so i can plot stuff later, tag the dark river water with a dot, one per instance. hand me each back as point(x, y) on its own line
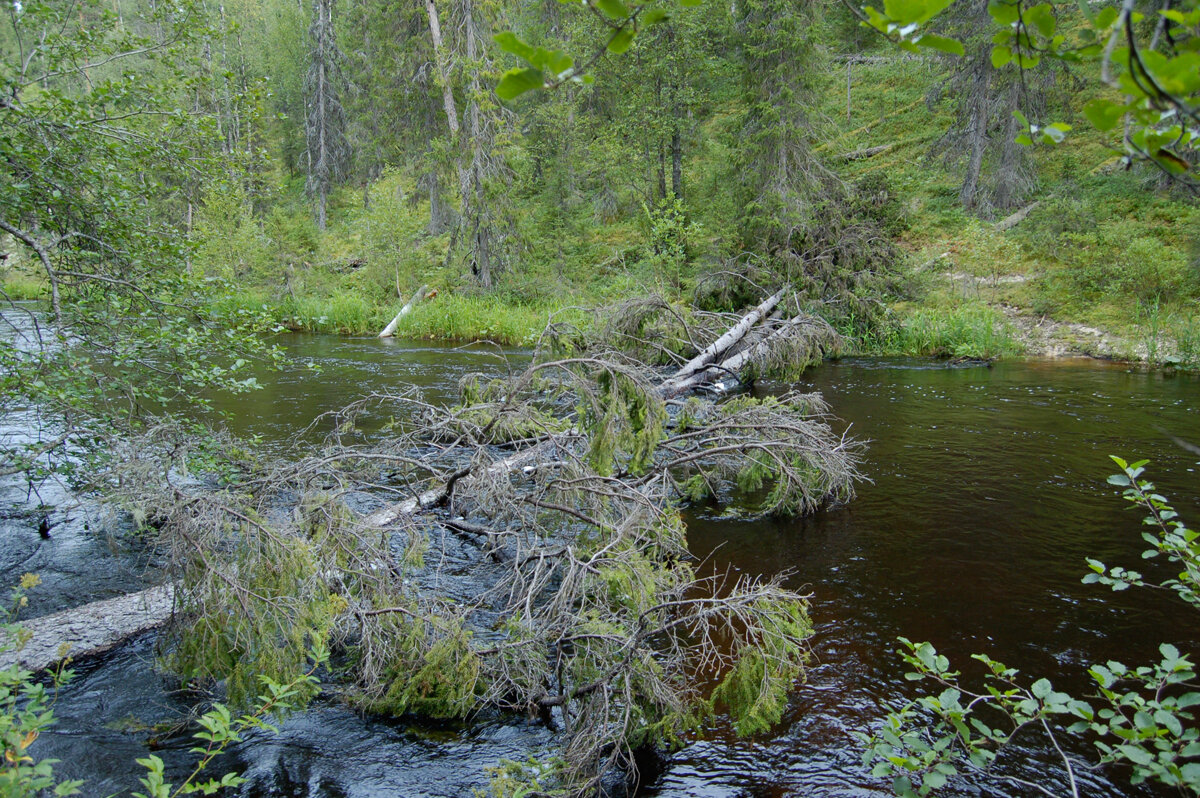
point(987, 491)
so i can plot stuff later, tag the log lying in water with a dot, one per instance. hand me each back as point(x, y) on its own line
point(91, 629)
point(718, 364)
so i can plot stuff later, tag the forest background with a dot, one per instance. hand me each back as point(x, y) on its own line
point(310, 165)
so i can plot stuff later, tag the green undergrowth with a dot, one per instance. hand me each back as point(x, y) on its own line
point(957, 330)
point(1115, 250)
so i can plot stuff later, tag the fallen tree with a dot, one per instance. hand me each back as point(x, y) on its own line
point(390, 329)
point(89, 630)
point(523, 550)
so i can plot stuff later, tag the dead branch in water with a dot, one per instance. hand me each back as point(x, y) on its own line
point(522, 550)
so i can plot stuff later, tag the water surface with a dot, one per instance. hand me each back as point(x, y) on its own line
point(987, 491)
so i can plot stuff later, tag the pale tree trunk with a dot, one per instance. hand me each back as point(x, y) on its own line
point(475, 210)
point(390, 330)
point(443, 67)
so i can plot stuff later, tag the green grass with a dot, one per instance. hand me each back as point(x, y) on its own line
point(967, 331)
point(18, 286)
point(473, 318)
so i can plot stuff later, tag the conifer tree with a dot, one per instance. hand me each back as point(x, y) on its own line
point(326, 123)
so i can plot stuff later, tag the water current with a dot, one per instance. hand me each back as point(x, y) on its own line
point(986, 490)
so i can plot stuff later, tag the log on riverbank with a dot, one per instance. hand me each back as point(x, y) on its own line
point(390, 329)
point(91, 629)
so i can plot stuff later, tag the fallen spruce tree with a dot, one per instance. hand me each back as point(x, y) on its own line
point(522, 551)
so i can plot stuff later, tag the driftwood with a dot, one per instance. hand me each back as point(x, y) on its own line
point(718, 364)
point(557, 580)
point(91, 629)
point(389, 330)
point(863, 154)
point(1014, 220)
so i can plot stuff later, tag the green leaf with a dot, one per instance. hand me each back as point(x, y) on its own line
point(653, 16)
point(1107, 16)
point(1041, 688)
point(1003, 11)
point(941, 43)
point(913, 12)
point(620, 41)
point(1041, 17)
point(1171, 162)
point(1000, 56)
point(510, 43)
point(516, 82)
point(613, 9)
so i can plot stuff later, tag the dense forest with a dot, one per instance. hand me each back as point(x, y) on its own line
point(657, 204)
point(328, 161)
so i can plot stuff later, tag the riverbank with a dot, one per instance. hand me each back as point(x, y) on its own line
point(957, 315)
point(941, 325)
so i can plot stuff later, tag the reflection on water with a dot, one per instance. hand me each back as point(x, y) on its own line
point(330, 372)
point(987, 491)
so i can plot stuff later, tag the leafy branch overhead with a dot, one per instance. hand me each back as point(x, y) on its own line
point(548, 69)
point(1159, 79)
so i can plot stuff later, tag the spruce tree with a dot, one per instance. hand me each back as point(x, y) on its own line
point(326, 122)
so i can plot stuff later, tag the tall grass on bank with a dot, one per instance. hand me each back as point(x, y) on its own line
point(1186, 332)
point(969, 331)
point(475, 318)
point(446, 317)
point(340, 313)
point(20, 286)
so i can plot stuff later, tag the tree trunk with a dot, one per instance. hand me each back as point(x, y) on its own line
point(389, 330)
point(676, 163)
point(476, 213)
point(662, 170)
point(91, 629)
point(443, 67)
point(976, 132)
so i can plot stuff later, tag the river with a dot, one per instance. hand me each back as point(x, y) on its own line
point(987, 491)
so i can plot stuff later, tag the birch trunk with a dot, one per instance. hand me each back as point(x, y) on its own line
point(443, 67)
point(390, 330)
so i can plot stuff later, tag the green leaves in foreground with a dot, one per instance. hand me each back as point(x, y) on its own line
point(547, 69)
point(901, 21)
point(1143, 717)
